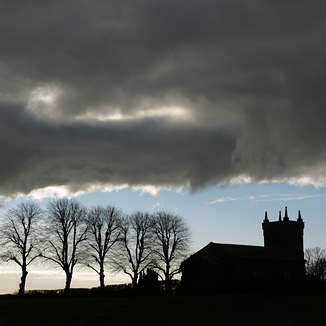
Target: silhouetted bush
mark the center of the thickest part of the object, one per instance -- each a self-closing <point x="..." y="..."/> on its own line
<point x="148" y="283"/>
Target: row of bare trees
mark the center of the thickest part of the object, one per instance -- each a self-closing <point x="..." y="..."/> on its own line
<point x="66" y="234"/>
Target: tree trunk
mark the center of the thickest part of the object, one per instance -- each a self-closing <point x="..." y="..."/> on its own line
<point x="102" y="276"/>
<point x="68" y="282"/>
<point x="22" y="282"/>
<point x="167" y="283"/>
<point x="135" y="281"/>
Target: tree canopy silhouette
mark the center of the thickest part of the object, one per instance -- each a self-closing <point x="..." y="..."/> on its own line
<point x="315" y="262"/>
<point x="20" y="239"/>
<point x="134" y="251"/>
<point x="171" y="244"/>
<point x="103" y="233"/>
<point x="65" y="232"/>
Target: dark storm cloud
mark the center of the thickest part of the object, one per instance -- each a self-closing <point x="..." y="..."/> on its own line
<point x="250" y="76"/>
<point x="148" y="152"/>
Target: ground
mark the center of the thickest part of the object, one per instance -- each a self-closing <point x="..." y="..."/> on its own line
<point x="239" y="309"/>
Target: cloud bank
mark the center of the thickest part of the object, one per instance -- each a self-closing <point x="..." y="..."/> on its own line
<point x="160" y="93"/>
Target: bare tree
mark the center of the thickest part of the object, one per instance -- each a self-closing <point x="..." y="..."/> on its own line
<point x="172" y="240"/>
<point x="134" y="251"/>
<point x="20" y="238"/>
<point x="103" y="233"/>
<point x="65" y="232"/>
<point x="315" y="262"/>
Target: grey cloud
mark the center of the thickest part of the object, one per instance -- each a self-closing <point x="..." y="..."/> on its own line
<point x="148" y="152"/>
<point x="251" y="75"/>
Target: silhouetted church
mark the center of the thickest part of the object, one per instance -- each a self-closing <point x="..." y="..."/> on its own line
<point x="220" y="266"/>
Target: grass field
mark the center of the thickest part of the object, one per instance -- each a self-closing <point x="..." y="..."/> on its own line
<point x="163" y="310"/>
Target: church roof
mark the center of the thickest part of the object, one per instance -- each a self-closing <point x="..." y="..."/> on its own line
<point x="221" y="253"/>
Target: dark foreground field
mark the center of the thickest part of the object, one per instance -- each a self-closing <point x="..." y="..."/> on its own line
<point x="179" y="310"/>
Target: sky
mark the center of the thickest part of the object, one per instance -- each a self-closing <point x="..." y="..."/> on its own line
<point x="211" y="109"/>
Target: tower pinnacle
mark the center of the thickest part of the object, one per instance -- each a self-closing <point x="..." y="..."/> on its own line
<point x="299" y="216"/>
<point x="286" y="217"/>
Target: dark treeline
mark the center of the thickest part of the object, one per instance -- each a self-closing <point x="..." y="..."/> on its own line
<point x="66" y="234"/>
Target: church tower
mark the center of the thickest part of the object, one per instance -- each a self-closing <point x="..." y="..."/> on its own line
<point x="284" y="234"/>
